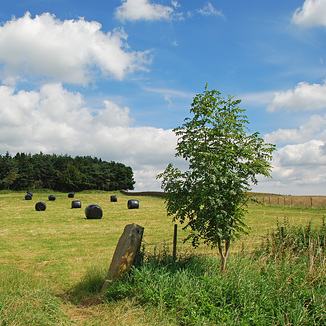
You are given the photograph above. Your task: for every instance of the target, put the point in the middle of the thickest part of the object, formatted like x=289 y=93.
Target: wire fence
x=294 y=201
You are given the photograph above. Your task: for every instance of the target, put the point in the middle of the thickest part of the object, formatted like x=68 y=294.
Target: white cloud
x=299 y=169
x=72 y=51
x=301 y=156
x=113 y=115
x=314 y=128
x=209 y=10
x=312 y=13
x=305 y=97
x=300 y=160
x=55 y=120
x=134 y=10
x=170 y=94
x=175 y=4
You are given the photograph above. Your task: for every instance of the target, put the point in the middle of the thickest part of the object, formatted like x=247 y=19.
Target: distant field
x=59 y=245
x=62 y=237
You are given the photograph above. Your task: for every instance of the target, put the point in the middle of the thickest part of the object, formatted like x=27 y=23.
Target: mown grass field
x=46 y=257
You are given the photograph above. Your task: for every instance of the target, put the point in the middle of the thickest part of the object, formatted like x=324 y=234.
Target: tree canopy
x=63 y=173
x=224 y=159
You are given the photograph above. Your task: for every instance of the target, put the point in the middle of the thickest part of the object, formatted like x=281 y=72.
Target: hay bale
x=51 y=197
x=30 y=193
x=133 y=203
x=71 y=195
x=40 y=206
x=28 y=197
x=93 y=212
x=114 y=199
x=76 y=204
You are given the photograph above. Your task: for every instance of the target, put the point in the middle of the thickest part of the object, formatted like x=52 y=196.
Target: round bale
x=133 y=203
x=71 y=195
x=30 y=193
x=93 y=212
x=51 y=197
x=40 y=206
x=28 y=197
x=114 y=199
x=76 y=204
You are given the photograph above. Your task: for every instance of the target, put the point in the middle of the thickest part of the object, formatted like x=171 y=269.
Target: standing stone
x=125 y=253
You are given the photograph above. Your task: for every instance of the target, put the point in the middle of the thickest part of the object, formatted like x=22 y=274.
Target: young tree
x=211 y=197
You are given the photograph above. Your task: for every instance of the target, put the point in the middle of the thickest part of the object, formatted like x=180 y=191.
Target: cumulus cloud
x=300 y=160
x=313 y=128
x=302 y=155
x=312 y=13
x=304 y=97
x=133 y=10
x=55 y=120
x=299 y=169
x=71 y=51
x=113 y=115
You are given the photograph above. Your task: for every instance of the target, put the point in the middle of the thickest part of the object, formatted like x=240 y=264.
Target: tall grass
x=279 y=284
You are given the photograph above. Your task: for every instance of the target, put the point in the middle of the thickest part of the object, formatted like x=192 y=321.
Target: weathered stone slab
x=127 y=249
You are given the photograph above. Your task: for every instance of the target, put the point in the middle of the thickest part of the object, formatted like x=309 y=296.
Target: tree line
x=63 y=173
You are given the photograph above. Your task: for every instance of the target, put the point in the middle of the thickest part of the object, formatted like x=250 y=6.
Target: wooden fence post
x=174 y=254
x=282 y=231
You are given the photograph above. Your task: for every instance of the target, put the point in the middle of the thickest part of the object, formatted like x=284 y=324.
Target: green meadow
x=53 y=263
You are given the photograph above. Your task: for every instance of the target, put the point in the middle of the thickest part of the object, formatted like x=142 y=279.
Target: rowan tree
x=224 y=159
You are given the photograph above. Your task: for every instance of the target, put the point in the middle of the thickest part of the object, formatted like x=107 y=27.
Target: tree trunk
x=224 y=256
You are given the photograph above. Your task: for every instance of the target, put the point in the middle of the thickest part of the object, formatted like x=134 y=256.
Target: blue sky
x=113 y=78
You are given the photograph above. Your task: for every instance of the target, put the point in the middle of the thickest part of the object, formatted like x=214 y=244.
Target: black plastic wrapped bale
x=28 y=197
x=29 y=193
x=51 y=197
x=76 y=204
x=114 y=199
x=40 y=206
x=93 y=212
x=71 y=195
x=133 y=203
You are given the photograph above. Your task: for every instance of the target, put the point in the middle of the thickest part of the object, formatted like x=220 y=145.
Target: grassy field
x=46 y=257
